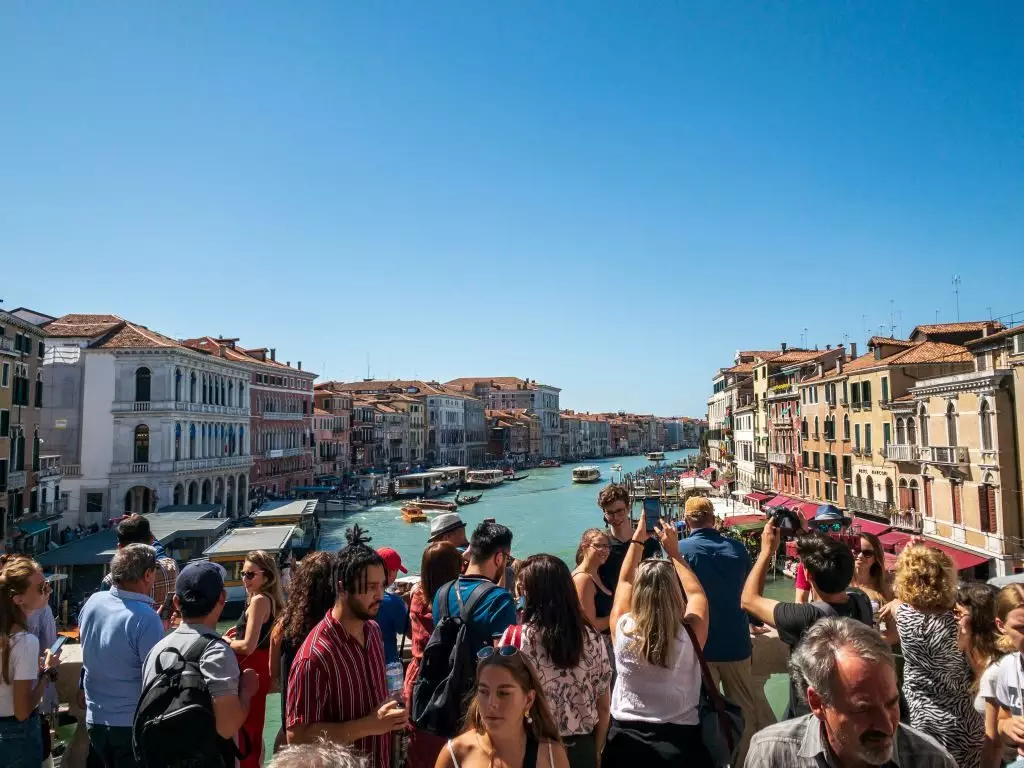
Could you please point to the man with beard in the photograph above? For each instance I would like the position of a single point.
(337, 687)
(847, 674)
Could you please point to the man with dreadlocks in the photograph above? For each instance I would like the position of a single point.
(337, 688)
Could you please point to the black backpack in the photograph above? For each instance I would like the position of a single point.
(175, 725)
(448, 668)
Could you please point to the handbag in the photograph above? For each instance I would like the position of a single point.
(721, 721)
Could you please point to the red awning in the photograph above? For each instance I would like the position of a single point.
(718, 483)
(779, 501)
(962, 558)
(894, 540)
(870, 526)
(757, 497)
(741, 519)
(809, 508)
(688, 475)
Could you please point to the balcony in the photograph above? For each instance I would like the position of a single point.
(781, 390)
(221, 462)
(284, 453)
(949, 456)
(71, 470)
(869, 506)
(907, 520)
(281, 416)
(49, 466)
(16, 480)
(179, 406)
(843, 402)
(901, 452)
(6, 344)
(781, 459)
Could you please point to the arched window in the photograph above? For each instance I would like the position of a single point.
(177, 442)
(815, 426)
(871, 489)
(205, 400)
(901, 432)
(142, 381)
(192, 387)
(951, 425)
(231, 393)
(923, 416)
(241, 395)
(985, 417)
(192, 439)
(846, 427)
(860, 487)
(241, 441)
(889, 496)
(142, 444)
(177, 385)
(911, 430)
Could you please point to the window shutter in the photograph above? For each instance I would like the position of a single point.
(904, 498)
(983, 508)
(5, 423)
(954, 489)
(928, 497)
(993, 520)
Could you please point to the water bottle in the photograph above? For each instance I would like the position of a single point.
(395, 674)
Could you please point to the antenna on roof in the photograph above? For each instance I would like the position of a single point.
(892, 319)
(956, 293)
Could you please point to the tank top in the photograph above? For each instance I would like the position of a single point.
(264, 636)
(602, 600)
(529, 758)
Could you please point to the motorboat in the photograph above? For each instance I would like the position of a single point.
(482, 479)
(441, 506)
(547, 463)
(412, 514)
(586, 475)
(656, 456)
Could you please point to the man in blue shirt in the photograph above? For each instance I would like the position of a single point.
(118, 629)
(393, 614)
(722, 565)
(490, 550)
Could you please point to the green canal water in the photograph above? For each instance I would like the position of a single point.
(546, 512)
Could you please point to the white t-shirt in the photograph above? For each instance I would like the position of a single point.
(987, 687)
(24, 665)
(651, 694)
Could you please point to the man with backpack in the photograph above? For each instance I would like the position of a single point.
(829, 566)
(194, 698)
(469, 613)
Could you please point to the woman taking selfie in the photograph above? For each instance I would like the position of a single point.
(23, 676)
(594, 596)
(569, 656)
(508, 722)
(250, 640)
(655, 700)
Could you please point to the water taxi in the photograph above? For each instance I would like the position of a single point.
(656, 456)
(302, 514)
(482, 479)
(230, 551)
(437, 506)
(419, 484)
(452, 478)
(412, 514)
(547, 463)
(586, 475)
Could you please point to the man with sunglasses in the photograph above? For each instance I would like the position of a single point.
(614, 503)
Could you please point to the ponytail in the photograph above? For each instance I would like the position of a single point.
(16, 573)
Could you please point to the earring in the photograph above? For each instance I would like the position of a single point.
(529, 719)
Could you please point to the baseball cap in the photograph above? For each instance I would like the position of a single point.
(392, 559)
(199, 587)
(443, 524)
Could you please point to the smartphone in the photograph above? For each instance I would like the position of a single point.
(55, 648)
(652, 514)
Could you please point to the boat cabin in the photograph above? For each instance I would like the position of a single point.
(302, 514)
(484, 478)
(230, 551)
(419, 484)
(586, 475)
(452, 478)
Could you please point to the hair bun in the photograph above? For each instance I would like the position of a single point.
(356, 536)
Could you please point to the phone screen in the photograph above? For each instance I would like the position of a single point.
(652, 514)
(61, 639)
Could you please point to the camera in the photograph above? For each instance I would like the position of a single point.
(786, 522)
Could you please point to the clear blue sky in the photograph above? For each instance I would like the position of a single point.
(608, 197)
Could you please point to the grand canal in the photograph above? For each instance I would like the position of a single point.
(546, 512)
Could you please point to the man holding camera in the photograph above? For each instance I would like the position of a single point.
(829, 566)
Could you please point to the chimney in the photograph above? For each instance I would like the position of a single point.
(853, 350)
(273, 354)
(839, 364)
(289, 363)
(300, 365)
(783, 347)
(828, 347)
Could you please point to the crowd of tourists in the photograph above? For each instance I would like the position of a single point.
(639, 655)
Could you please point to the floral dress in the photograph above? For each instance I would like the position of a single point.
(571, 693)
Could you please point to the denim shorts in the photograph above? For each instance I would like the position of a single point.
(21, 742)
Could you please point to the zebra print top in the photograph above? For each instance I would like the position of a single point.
(938, 682)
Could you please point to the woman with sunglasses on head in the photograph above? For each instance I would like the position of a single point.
(569, 656)
(869, 572)
(250, 640)
(508, 723)
(311, 596)
(595, 598)
(656, 696)
(24, 670)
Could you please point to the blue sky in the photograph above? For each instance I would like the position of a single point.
(608, 197)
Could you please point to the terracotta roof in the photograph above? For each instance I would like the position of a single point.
(763, 354)
(874, 341)
(741, 368)
(321, 412)
(82, 326)
(798, 357)
(975, 325)
(130, 336)
(385, 386)
(466, 383)
(1005, 334)
(227, 349)
(909, 397)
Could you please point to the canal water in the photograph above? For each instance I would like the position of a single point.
(547, 512)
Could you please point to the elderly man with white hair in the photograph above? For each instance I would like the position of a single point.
(847, 674)
(317, 754)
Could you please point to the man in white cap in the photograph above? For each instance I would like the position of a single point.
(449, 527)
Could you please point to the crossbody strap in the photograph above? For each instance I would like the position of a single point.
(709, 685)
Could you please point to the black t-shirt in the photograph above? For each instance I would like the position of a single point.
(609, 572)
(794, 619)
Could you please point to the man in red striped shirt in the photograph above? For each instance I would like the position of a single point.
(337, 687)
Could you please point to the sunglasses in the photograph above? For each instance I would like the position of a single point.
(488, 651)
(45, 587)
(827, 527)
(247, 575)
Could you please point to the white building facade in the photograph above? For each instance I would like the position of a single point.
(743, 420)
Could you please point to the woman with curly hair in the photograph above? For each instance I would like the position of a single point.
(937, 679)
(311, 596)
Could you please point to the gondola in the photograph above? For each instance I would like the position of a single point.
(516, 478)
(463, 500)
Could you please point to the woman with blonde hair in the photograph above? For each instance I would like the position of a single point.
(937, 678)
(595, 597)
(657, 693)
(1009, 690)
(508, 722)
(23, 674)
(250, 640)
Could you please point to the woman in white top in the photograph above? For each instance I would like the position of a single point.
(23, 675)
(508, 723)
(655, 699)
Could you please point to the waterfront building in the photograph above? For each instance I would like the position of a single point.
(281, 411)
(476, 430)
(330, 446)
(509, 436)
(572, 446)
(674, 432)
(339, 406)
(30, 468)
(619, 433)
(364, 435)
(732, 387)
(743, 440)
(415, 449)
(143, 421)
(825, 462)
(391, 450)
(509, 392)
